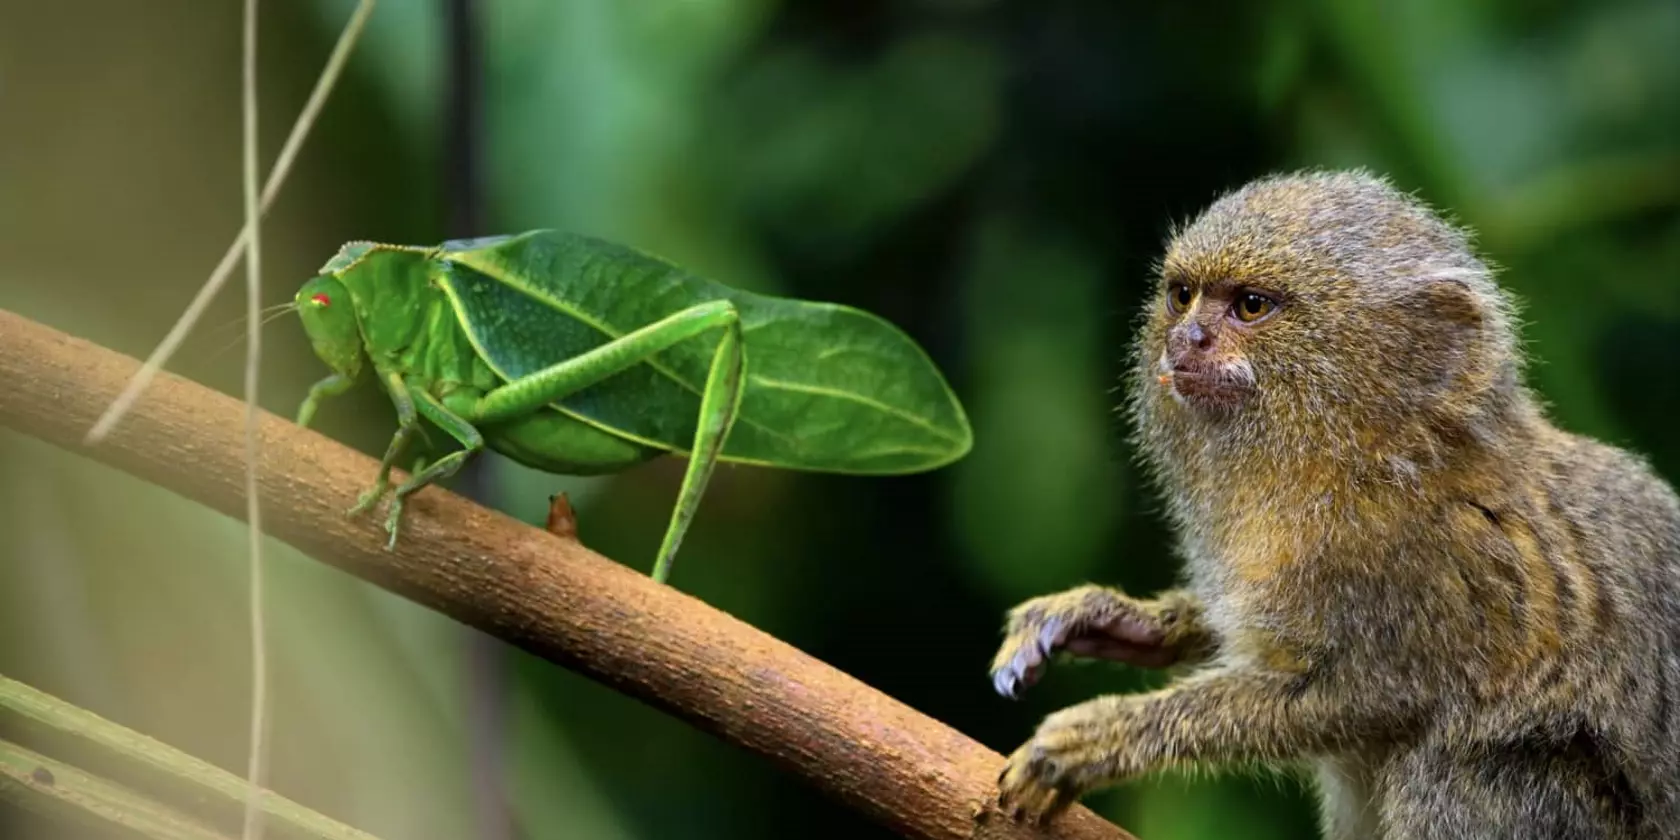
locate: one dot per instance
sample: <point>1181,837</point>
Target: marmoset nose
<point>1199,338</point>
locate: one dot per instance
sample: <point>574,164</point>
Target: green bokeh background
<point>996,177</point>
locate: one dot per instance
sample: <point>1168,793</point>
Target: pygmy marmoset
<point>1399,575</point>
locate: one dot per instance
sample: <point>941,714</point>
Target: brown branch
<point>548,595</point>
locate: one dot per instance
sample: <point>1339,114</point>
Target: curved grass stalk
<point>218,277</point>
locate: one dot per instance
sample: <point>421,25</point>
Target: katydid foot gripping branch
<point>582,357</point>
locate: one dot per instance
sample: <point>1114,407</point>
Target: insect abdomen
<point>550,441</point>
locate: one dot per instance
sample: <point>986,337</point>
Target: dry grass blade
<point>63,792</point>
<point>146,764</point>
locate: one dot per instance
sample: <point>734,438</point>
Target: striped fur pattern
<point>1462,620</point>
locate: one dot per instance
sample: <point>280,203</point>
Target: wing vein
<point>835,393</point>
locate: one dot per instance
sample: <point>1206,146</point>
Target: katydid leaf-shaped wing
<point>828,387</point>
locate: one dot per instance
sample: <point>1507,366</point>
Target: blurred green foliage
<point>995,177</point>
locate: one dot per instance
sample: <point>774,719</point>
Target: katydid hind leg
<point>529,393</point>
<point>719,405</point>
<point>442,468</point>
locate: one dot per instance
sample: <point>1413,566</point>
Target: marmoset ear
<point>1449,300</point>
<point>1447,313</point>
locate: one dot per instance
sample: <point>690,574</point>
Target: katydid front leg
<point>407,427</point>
<point>719,401</point>
<point>331,386</point>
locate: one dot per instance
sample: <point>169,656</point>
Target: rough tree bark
<point>548,595</point>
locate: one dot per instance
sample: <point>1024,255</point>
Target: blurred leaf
<point>402,50</point>
<point>1038,500</point>
<point>1173,807</point>
<point>591,111</point>
<point>542,761</point>
<point>825,152</point>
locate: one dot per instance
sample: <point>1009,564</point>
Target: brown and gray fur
<point>1399,574</point>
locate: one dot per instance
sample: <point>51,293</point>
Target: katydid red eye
<point>321,300</point>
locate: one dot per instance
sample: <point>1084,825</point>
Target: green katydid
<point>579,356</point>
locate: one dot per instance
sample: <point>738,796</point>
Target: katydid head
<point>324,306</point>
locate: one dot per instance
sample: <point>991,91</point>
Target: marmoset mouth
<point>1206,386</point>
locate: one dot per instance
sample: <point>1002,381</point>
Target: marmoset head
<point>1321,313</point>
